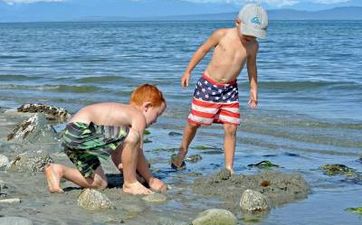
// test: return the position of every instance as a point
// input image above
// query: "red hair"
(147, 93)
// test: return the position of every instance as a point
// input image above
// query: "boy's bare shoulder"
(222, 31)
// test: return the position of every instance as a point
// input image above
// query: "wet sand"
(190, 193)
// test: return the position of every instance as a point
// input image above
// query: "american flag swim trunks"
(214, 102)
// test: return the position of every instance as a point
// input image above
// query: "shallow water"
(310, 110)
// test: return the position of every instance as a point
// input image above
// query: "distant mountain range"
(340, 13)
(126, 10)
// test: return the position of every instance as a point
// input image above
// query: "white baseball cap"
(254, 20)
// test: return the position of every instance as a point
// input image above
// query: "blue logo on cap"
(255, 20)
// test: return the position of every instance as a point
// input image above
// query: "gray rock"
(51, 112)
(254, 201)
(173, 134)
(155, 198)
(94, 200)
(33, 130)
(3, 189)
(30, 162)
(193, 158)
(4, 162)
(15, 221)
(215, 217)
(10, 201)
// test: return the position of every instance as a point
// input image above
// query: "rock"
(51, 112)
(193, 158)
(3, 189)
(215, 217)
(10, 200)
(338, 169)
(8, 220)
(266, 164)
(254, 201)
(33, 130)
(30, 162)
(4, 162)
(94, 200)
(173, 134)
(155, 198)
(357, 210)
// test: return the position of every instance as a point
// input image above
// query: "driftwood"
(51, 112)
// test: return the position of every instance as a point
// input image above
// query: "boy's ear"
(147, 105)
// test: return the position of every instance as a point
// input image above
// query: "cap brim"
(250, 31)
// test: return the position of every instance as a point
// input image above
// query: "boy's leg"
(117, 161)
(229, 145)
(54, 172)
(188, 135)
(129, 158)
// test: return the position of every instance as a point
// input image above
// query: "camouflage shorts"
(85, 143)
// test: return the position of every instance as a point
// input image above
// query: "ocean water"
(310, 94)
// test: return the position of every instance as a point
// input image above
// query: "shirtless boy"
(215, 97)
(110, 129)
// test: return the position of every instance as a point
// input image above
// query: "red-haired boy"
(110, 129)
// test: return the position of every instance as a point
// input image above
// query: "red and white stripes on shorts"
(214, 102)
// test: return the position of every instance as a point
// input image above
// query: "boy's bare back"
(111, 114)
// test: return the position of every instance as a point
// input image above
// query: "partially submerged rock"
(51, 112)
(357, 210)
(254, 201)
(215, 217)
(173, 134)
(3, 189)
(94, 200)
(266, 164)
(33, 161)
(34, 129)
(193, 158)
(338, 169)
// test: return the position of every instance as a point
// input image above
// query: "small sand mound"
(280, 188)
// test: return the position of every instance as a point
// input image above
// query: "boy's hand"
(253, 103)
(185, 80)
(157, 185)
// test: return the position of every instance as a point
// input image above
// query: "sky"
(314, 4)
(66, 10)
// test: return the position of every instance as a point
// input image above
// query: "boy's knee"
(193, 125)
(230, 129)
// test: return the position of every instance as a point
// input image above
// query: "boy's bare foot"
(136, 188)
(53, 179)
(177, 161)
(157, 185)
(230, 170)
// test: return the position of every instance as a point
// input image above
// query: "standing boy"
(216, 94)
(115, 129)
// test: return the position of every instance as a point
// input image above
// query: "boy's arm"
(200, 53)
(252, 74)
(139, 124)
(143, 168)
